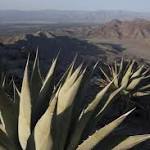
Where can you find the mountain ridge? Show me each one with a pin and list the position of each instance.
(136, 29)
(64, 16)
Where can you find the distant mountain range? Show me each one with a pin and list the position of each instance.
(104, 42)
(116, 29)
(54, 16)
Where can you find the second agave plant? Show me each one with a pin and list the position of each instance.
(133, 78)
(47, 117)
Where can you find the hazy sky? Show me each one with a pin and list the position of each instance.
(134, 5)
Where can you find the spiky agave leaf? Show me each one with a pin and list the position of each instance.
(144, 88)
(65, 105)
(138, 72)
(85, 117)
(131, 141)
(24, 120)
(134, 83)
(110, 99)
(48, 77)
(36, 79)
(99, 135)
(71, 67)
(2, 124)
(44, 94)
(140, 94)
(106, 76)
(44, 128)
(3, 80)
(127, 75)
(8, 116)
(114, 74)
(16, 98)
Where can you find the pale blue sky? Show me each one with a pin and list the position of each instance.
(134, 5)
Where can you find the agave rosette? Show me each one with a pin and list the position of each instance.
(134, 78)
(42, 117)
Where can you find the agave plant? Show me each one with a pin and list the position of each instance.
(43, 117)
(134, 78)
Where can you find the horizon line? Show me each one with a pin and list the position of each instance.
(115, 10)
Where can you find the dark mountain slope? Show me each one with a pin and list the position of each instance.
(13, 56)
